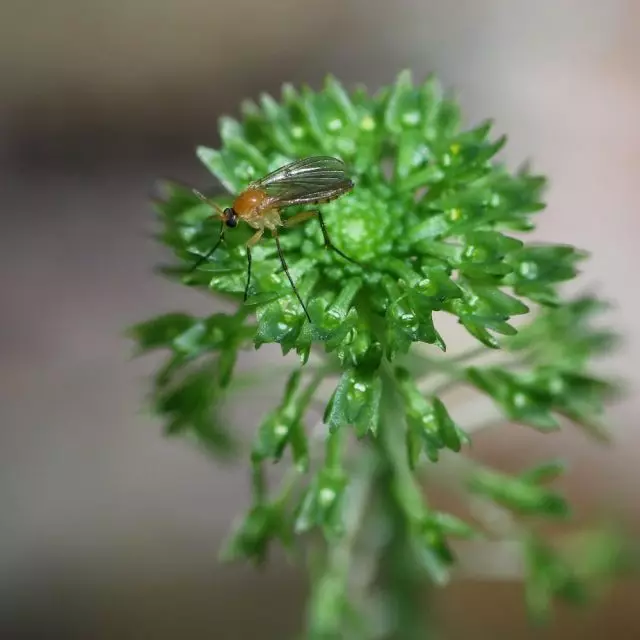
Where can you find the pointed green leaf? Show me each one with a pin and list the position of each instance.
(518, 495)
(160, 332)
(545, 472)
(355, 401)
(401, 109)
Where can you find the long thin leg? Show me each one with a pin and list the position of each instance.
(205, 257)
(253, 240)
(328, 243)
(286, 270)
(246, 288)
(305, 215)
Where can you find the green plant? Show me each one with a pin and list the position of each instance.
(435, 219)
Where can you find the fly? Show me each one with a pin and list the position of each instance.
(314, 180)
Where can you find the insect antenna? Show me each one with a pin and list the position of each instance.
(210, 202)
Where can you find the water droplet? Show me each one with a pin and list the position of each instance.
(360, 387)
(428, 287)
(475, 254)
(520, 399)
(281, 430)
(556, 385)
(411, 117)
(357, 392)
(528, 270)
(428, 420)
(368, 123)
(326, 496)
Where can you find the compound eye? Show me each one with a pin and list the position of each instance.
(231, 218)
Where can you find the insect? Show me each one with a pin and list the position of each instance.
(313, 180)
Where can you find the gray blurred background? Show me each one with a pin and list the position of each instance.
(107, 529)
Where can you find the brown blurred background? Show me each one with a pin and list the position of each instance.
(107, 529)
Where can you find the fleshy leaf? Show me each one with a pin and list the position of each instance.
(355, 401)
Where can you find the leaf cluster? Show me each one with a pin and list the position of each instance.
(437, 223)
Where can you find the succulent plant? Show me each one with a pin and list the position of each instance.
(439, 227)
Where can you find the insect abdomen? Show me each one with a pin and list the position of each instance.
(334, 196)
(325, 200)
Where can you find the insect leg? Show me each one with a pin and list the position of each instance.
(286, 270)
(253, 240)
(205, 257)
(305, 215)
(328, 243)
(246, 288)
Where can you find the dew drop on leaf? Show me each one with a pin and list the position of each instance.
(367, 123)
(411, 118)
(529, 270)
(326, 496)
(520, 399)
(475, 254)
(280, 430)
(357, 392)
(428, 287)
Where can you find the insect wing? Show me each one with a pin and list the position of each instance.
(311, 179)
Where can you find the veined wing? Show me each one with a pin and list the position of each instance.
(308, 180)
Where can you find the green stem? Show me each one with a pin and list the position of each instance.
(399, 499)
(345, 564)
(344, 556)
(375, 551)
(333, 453)
(258, 482)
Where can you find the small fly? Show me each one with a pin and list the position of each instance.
(314, 180)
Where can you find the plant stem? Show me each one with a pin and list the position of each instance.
(403, 586)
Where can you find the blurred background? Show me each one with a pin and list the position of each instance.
(107, 529)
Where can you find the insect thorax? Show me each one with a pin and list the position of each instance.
(267, 219)
(250, 202)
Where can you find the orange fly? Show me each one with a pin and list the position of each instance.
(314, 180)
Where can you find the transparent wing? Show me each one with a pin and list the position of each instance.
(311, 179)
